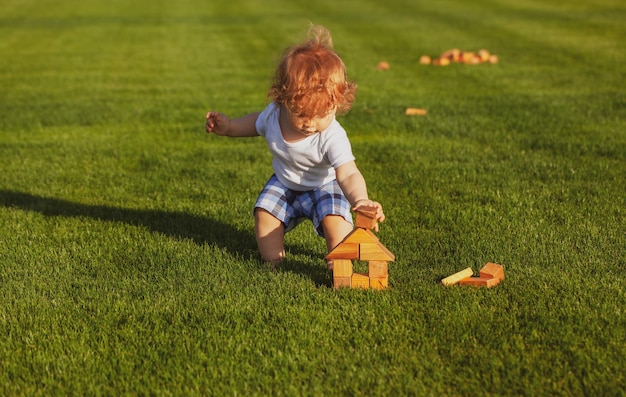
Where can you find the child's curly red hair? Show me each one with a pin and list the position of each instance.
(311, 78)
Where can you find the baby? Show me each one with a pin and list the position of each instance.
(315, 175)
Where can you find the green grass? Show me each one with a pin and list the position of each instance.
(128, 262)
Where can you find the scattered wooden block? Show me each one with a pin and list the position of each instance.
(415, 112)
(360, 280)
(383, 65)
(342, 268)
(366, 217)
(379, 282)
(452, 55)
(467, 57)
(458, 276)
(481, 281)
(491, 270)
(484, 55)
(378, 269)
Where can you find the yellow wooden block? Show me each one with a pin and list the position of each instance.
(374, 252)
(344, 251)
(415, 111)
(379, 282)
(377, 269)
(342, 282)
(456, 277)
(360, 280)
(342, 268)
(491, 270)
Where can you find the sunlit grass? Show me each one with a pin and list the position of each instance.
(128, 263)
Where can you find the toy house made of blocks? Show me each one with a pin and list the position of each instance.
(363, 245)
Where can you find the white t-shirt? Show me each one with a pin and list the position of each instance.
(309, 163)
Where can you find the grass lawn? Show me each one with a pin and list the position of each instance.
(128, 263)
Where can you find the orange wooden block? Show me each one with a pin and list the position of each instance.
(379, 282)
(342, 282)
(484, 55)
(451, 55)
(366, 217)
(491, 270)
(467, 57)
(458, 276)
(344, 251)
(383, 65)
(360, 280)
(342, 268)
(481, 281)
(377, 269)
(415, 112)
(374, 252)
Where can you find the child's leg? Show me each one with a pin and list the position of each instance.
(336, 228)
(270, 234)
(331, 216)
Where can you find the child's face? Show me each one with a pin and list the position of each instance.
(308, 125)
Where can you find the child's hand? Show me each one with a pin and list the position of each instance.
(217, 123)
(380, 215)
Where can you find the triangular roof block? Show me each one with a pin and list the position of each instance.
(360, 236)
(375, 252)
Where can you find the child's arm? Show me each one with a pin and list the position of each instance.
(353, 186)
(220, 124)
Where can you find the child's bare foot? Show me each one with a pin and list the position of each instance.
(273, 264)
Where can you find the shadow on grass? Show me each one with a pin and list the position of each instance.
(180, 225)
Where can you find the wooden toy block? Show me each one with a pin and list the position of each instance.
(481, 281)
(484, 55)
(366, 218)
(374, 252)
(458, 276)
(383, 65)
(360, 280)
(342, 268)
(379, 282)
(415, 112)
(467, 57)
(377, 269)
(491, 270)
(359, 235)
(441, 62)
(342, 282)
(344, 251)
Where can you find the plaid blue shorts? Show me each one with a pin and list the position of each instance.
(292, 207)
